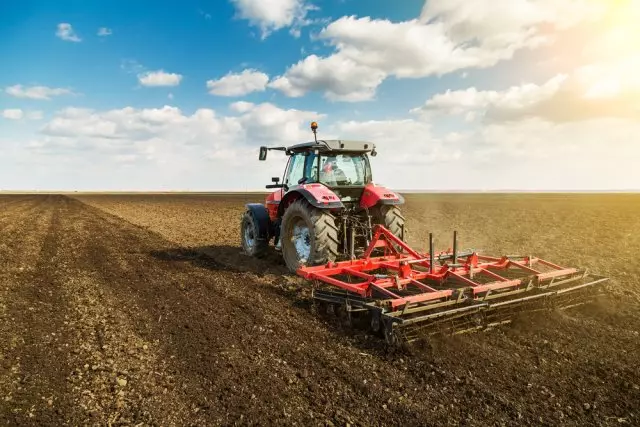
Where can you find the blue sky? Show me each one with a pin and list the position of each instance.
(485, 93)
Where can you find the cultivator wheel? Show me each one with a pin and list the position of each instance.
(407, 296)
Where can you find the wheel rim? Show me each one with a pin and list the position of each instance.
(249, 237)
(301, 239)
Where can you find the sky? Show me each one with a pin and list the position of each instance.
(474, 95)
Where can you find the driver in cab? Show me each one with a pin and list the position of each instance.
(330, 173)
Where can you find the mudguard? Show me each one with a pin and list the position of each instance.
(317, 195)
(261, 216)
(376, 194)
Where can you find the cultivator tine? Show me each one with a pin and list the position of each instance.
(414, 295)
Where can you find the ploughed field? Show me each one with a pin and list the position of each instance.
(111, 315)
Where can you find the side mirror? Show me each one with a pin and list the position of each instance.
(275, 179)
(263, 153)
(374, 153)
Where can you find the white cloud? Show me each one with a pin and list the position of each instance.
(495, 22)
(341, 78)
(129, 126)
(172, 149)
(590, 92)
(515, 97)
(65, 32)
(168, 147)
(241, 106)
(443, 40)
(159, 78)
(273, 15)
(12, 114)
(19, 114)
(104, 31)
(36, 92)
(239, 84)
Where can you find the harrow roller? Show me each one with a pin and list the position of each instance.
(408, 295)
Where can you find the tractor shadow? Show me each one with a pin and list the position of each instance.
(270, 270)
(224, 258)
(275, 279)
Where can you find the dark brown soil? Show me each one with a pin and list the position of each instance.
(110, 315)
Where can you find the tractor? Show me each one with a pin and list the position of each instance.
(344, 234)
(326, 207)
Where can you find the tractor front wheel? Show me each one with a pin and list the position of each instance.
(252, 244)
(309, 236)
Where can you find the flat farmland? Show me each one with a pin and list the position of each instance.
(111, 315)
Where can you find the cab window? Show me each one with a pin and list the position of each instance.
(296, 169)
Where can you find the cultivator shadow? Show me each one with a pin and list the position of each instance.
(406, 295)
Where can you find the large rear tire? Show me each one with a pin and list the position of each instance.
(252, 244)
(309, 236)
(391, 218)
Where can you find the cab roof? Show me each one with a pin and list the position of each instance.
(338, 145)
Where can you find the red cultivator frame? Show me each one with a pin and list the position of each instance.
(405, 293)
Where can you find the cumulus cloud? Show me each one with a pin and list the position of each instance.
(104, 31)
(513, 98)
(590, 92)
(274, 15)
(130, 126)
(159, 78)
(36, 92)
(341, 78)
(241, 106)
(172, 148)
(65, 32)
(239, 84)
(12, 114)
(495, 22)
(19, 114)
(442, 40)
(169, 147)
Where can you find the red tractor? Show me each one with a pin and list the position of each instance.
(326, 207)
(343, 233)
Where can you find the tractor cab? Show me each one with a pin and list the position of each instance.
(340, 165)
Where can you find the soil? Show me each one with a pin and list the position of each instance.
(110, 314)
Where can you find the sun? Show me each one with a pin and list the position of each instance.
(614, 55)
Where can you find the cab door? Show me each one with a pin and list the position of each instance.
(295, 171)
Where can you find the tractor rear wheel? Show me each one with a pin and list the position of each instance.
(391, 218)
(252, 244)
(309, 236)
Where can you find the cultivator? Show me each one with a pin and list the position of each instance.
(406, 295)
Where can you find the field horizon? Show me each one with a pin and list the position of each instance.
(233, 192)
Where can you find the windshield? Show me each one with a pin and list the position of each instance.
(339, 169)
